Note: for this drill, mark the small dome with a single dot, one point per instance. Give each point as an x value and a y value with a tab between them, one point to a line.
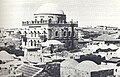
87	66
69	63
49	8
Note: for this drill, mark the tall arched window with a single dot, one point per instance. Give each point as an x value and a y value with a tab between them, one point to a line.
31	34
49	21
34	42
41	20
38	34
58	19
69	33
31	43
65	33
35	33
56	33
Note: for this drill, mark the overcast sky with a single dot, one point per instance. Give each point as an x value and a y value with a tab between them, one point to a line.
86	12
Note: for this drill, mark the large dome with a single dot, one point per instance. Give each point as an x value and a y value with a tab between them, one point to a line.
69	63
49	8
87	66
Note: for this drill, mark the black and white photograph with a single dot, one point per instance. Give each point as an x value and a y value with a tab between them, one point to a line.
59	38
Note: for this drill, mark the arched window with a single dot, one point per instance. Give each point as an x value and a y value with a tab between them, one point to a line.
34	42
38	41
38	34
35	33
44	32
49	21
35	20
56	33
32	22
64	33
69	33
41	20
31	34
58	19
31	43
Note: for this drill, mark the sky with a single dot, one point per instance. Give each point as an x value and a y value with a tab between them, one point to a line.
86	12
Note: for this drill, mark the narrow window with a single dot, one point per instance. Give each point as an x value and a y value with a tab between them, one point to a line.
69	33
35	33
64	33
41	20
31	43
31	34
49	21
38	34
34	42
56	33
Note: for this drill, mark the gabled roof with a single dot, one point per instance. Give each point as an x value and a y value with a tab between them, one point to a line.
28	70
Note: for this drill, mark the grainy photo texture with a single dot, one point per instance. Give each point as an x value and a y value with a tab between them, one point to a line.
59	38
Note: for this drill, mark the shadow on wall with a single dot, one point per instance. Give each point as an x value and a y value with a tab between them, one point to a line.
12	50
94	58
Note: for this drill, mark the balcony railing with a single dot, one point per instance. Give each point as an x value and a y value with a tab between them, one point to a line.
46	22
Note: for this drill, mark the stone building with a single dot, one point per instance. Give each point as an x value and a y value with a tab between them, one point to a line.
50	23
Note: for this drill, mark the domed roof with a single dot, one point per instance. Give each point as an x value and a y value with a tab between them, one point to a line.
69	63
49	8
87	66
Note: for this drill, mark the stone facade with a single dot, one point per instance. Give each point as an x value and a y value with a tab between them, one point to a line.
50	26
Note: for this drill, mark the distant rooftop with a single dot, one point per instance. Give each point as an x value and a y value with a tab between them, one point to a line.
28	70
